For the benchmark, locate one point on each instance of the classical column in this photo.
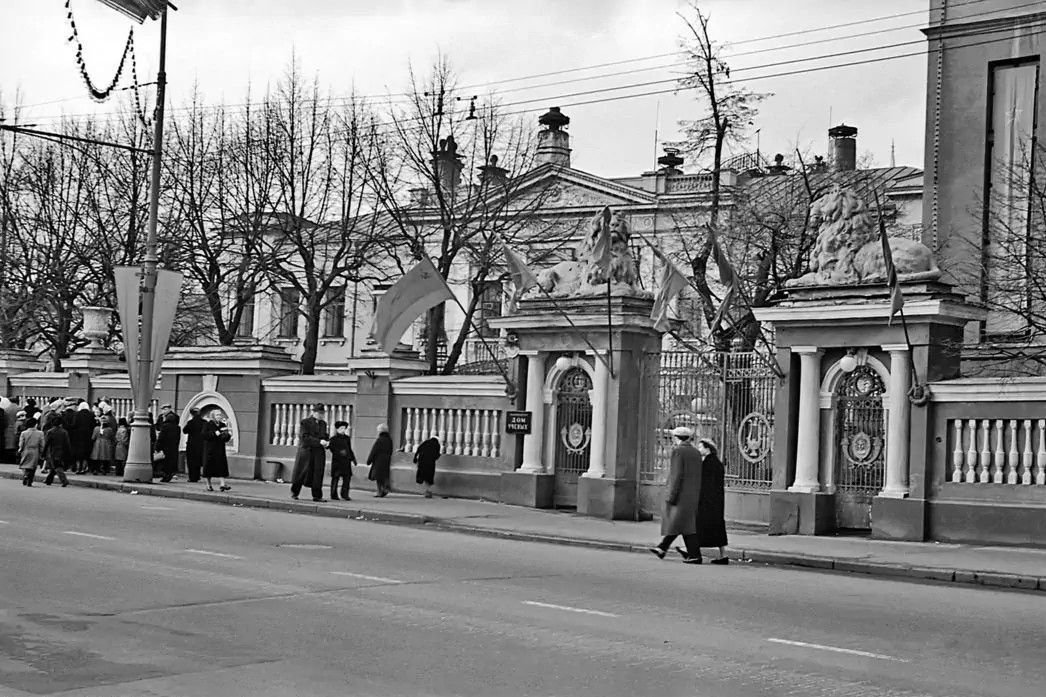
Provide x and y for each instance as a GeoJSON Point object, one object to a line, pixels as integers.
{"type": "Point", "coordinates": [597, 455]}
{"type": "Point", "coordinates": [897, 426]}
{"type": "Point", "coordinates": [532, 458]}
{"type": "Point", "coordinates": [808, 435]}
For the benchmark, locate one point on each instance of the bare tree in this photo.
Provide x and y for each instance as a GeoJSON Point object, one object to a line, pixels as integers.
{"type": "Point", "coordinates": [16, 298]}
{"type": "Point", "coordinates": [456, 178]}
{"type": "Point", "coordinates": [321, 233]}
{"type": "Point", "coordinates": [730, 110]}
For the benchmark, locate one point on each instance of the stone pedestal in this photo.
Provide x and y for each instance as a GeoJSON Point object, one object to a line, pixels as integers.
{"type": "Point", "coordinates": [555, 338]}
{"type": "Point", "coordinates": [531, 489]}
{"type": "Point", "coordinates": [824, 333]}
{"type": "Point", "coordinates": [14, 362]}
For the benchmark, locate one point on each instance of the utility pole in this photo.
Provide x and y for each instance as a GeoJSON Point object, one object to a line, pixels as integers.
{"type": "Point", "coordinates": [139, 467]}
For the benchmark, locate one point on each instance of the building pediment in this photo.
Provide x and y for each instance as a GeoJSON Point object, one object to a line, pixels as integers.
{"type": "Point", "coordinates": [558, 187]}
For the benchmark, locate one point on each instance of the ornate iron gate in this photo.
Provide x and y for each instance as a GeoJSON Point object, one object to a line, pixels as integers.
{"type": "Point", "coordinates": [860, 431]}
{"type": "Point", "coordinates": [725, 396]}
{"type": "Point", "coordinates": [573, 434]}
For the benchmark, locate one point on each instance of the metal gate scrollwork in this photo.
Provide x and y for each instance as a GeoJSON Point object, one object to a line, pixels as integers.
{"type": "Point", "coordinates": [860, 429]}
{"type": "Point", "coordinates": [573, 433]}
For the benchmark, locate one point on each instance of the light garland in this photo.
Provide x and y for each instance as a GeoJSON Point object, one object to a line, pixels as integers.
{"type": "Point", "coordinates": [99, 95]}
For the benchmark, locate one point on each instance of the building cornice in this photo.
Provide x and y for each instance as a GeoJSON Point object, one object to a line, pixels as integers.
{"type": "Point", "coordinates": [989, 390]}
{"type": "Point", "coordinates": [982, 26]}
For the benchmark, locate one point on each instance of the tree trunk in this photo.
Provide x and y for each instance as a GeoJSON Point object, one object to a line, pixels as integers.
{"type": "Point", "coordinates": [311, 343]}
{"type": "Point", "coordinates": [454, 355]}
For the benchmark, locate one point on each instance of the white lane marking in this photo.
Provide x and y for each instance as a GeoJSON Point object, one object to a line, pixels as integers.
{"type": "Point", "coordinates": [87, 534]}
{"type": "Point", "coordinates": [837, 649]}
{"type": "Point", "coordinates": [213, 554]}
{"type": "Point", "coordinates": [158, 508]}
{"type": "Point", "coordinates": [379, 579]}
{"type": "Point", "coordinates": [570, 609]}
{"type": "Point", "coordinates": [4, 522]}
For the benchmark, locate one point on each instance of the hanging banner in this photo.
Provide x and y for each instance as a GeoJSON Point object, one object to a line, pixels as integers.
{"type": "Point", "coordinates": [127, 302]}
{"type": "Point", "coordinates": [168, 292]}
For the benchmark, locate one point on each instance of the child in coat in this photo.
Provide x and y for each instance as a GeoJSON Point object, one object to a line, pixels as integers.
{"type": "Point", "coordinates": [342, 460]}
{"type": "Point", "coordinates": [122, 440]}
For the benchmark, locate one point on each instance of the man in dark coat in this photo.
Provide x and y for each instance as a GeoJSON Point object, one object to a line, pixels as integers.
{"type": "Point", "coordinates": [312, 456]}
{"type": "Point", "coordinates": [681, 500]}
{"type": "Point", "coordinates": [59, 452]}
{"type": "Point", "coordinates": [194, 444]}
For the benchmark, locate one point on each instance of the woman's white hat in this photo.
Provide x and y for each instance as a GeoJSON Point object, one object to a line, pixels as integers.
{"type": "Point", "coordinates": [682, 432]}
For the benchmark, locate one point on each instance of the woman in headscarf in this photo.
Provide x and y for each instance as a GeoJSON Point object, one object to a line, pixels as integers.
{"type": "Point", "coordinates": [380, 461]}
{"type": "Point", "coordinates": [711, 523]}
{"type": "Point", "coordinates": [215, 462]}
{"type": "Point", "coordinates": [425, 457]}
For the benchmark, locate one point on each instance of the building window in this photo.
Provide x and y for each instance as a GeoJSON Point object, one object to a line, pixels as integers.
{"type": "Point", "coordinates": [289, 301]}
{"type": "Point", "coordinates": [1010, 161]}
{"type": "Point", "coordinates": [334, 314]}
{"type": "Point", "coordinates": [245, 329]}
{"type": "Point", "coordinates": [488, 307]}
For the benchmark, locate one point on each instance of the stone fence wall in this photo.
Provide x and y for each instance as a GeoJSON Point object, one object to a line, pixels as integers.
{"type": "Point", "coordinates": [986, 474]}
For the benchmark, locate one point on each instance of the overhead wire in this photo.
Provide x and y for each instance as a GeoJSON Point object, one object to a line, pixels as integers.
{"type": "Point", "coordinates": [388, 98]}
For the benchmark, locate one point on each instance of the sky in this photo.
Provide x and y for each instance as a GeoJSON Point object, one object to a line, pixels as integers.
{"type": "Point", "coordinates": [226, 46]}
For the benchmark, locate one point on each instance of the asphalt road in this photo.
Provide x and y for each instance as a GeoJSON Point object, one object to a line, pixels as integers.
{"type": "Point", "coordinates": [109, 595]}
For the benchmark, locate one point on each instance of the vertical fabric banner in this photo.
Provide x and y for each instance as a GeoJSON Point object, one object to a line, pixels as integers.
{"type": "Point", "coordinates": [127, 300]}
{"type": "Point", "coordinates": [168, 292]}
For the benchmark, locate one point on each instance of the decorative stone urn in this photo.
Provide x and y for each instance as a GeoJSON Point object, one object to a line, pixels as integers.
{"type": "Point", "coordinates": [96, 325]}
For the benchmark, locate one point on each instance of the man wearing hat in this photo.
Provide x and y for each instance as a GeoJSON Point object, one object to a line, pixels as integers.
{"type": "Point", "coordinates": [684, 492]}
{"type": "Point", "coordinates": [312, 459]}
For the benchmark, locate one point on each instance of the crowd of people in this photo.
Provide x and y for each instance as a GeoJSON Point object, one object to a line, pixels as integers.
{"type": "Point", "coordinates": [71, 435]}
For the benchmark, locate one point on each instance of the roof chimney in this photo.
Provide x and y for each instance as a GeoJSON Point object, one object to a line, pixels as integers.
{"type": "Point", "coordinates": [844, 147]}
{"type": "Point", "coordinates": [553, 141]}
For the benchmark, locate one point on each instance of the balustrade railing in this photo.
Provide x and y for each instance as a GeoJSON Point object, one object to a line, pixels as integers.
{"type": "Point", "coordinates": [287, 418]}
{"type": "Point", "coordinates": [123, 407]}
{"type": "Point", "coordinates": [998, 451]}
{"type": "Point", "coordinates": [468, 432]}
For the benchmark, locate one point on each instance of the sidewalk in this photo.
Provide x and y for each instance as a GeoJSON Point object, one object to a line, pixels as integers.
{"type": "Point", "coordinates": [1009, 567]}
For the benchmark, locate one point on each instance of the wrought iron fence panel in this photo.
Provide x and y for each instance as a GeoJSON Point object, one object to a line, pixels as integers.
{"type": "Point", "coordinates": [725, 396]}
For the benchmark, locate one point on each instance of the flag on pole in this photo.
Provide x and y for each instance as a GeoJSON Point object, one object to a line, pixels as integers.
{"type": "Point", "coordinates": [523, 279]}
{"type": "Point", "coordinates": [896, 297]}
{"type": "Point", "coordinates": [420, 289]}
{"type": "Point", "coordinates": [672, 283]}
{"type": "Point", "coordinates": [727, 276]}
{"type": "Point", "coordinates": [601, 251]}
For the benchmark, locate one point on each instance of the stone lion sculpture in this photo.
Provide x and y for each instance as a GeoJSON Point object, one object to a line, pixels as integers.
{"type": "Point", "coordinates": [583, 276]}
{"type": "Point", "coordinates": [848, 249]}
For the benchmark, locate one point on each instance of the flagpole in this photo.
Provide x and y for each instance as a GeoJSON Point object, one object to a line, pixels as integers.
{"type": "Point", "coordinates": [610, 333]}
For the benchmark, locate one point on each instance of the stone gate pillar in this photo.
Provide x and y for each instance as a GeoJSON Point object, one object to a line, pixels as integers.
{"type": "Point", "coordinates": [578, 329]}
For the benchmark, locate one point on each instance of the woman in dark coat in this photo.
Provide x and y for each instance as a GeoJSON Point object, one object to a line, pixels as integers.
{"type": "Point", "coordinates": [194, 444]}
{"type": "Point", "coordinates": [681, 499]}
{"type": "Point", "coordinates": [711, 523]}
{"type": "Point", "coordinates": [167, 442]}
{"type": "Point", "coordinates": [380, 461]}
{"type": "Point", "coordinates": [80, 435]}
{"type": "Point", "coordinates": [215, 463]}
{"type": "Point", "coordinates": [425, 457]}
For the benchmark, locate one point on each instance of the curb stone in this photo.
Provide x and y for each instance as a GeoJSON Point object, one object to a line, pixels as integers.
{"type": "Point", "coordinates": [882, 569]}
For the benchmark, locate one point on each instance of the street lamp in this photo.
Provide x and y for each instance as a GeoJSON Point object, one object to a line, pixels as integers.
{"type": "Point", "coordinates": [139, 467]}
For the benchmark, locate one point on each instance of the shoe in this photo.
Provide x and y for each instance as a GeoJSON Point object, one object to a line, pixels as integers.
{"type": "Point", "coordinates": [294, 496]}
{"type": "Point", "coordinates": [682, 552]}
{"type": "Point", "coordinates": [47, 483]}
{"type": "Point", "coordinates": [334, 497]}
{"type": "Point", "coordinates": [428, 494]}
{"type": "Point", "coordinates": [657, 552]}
{"type": "Point", "coordinates": [693, 560]}
{"type": "Point", "coordinates": [319, 500]}
{"type": "Point", "coordinates": [65, 484]}
{"type": "Point", "coordinates": [210, 488]}
{"type": "Point", "coordinates": [224, 488]}
{"type": "Point", "coordinates": [720, 560]}
{"type": "Point", "coordinates": [346, 498]}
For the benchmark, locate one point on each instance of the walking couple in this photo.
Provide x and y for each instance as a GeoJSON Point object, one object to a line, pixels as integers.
{"type": "Point", "coordinates": [694, 500]}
